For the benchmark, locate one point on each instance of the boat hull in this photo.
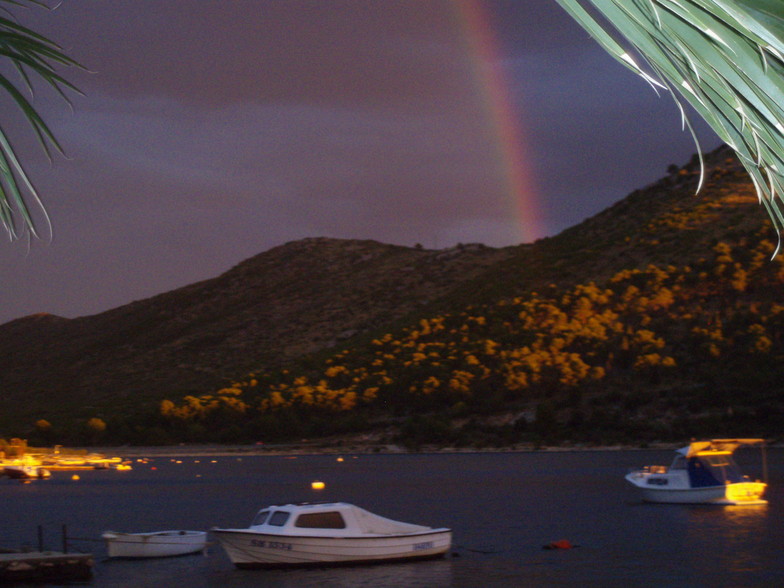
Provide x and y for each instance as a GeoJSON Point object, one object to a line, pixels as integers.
{"type": "Point", "coordinates": [157, 544]}
{"type": "Point", "coordinates": [250, 549]}
{"type": "Point", "coordinates": [743, 493]}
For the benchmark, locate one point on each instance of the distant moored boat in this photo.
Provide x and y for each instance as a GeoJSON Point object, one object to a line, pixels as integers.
{"type": "Point", "coordinates": [703, 472]}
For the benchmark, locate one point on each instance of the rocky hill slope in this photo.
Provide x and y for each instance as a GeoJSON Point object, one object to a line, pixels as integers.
{"type": "Point", "coordinates": [287, 302]}
{"type": "Point", "coordinates": [305, 297]}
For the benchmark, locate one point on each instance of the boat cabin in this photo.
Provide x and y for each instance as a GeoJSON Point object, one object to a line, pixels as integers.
{"type": "Point", "coordinates": [335, 519]}
{"type": "Point", "coordinates": [707, 468]}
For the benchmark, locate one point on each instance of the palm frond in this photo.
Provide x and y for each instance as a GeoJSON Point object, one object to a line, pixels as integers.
{"type": "Point", "coordinates": [724, 57]}
{"type": "Point", "coordinates": [32, 55]}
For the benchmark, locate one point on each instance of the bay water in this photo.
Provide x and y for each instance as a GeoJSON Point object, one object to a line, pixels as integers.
{"type": "Point", "coordinates": [503, 508]}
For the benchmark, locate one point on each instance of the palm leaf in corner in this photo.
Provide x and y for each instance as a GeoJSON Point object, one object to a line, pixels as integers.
{"type": "Point", "coordinates": [30, 53]}
{"type": "Point", "coordinates": [724, 57]}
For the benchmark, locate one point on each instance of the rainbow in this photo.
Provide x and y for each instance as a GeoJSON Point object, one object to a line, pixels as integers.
{"type": "Point", "coordinates": [505, 118]}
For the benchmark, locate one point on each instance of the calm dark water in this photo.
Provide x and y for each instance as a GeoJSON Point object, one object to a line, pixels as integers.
{"type": "Point", "coordinates": [503, 507]}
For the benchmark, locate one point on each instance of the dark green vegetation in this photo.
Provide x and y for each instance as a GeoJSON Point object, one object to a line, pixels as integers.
{"type": "Point", "coordinates": [658, 319]}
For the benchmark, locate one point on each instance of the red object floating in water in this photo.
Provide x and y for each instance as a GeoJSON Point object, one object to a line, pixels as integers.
{"type": "Point", "coordinates": [560, 544]}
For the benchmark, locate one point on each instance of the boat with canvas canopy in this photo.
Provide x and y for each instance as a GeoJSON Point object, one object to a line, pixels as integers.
{"type": "Point", "coordinates": [328, 533]}
{"type": "Point", "coordinates": [703, 472]}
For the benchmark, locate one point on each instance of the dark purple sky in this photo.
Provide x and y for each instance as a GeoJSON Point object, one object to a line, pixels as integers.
{"type": "Point", "coordinates": [213, 130]}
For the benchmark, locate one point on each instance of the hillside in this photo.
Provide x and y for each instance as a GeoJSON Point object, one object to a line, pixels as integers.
{"type": "Point", "coordinates": [292, 300]}
{"type": "Point", "coordinates": [289, 307]}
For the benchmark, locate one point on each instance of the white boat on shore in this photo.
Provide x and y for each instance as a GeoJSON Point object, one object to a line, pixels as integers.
{"type": "Point", "coordinates": [703, 472]}
{"type": "Point", "coordinates": [154, 544]}
{"type": "Point", "coordinates": [328, 533]}
{"type": "Point", "coordinates": [25, 472]}
{"type": "Point", "coordinates": [92, 461]}
{"type": "Point", "coordinates": [24, 467]}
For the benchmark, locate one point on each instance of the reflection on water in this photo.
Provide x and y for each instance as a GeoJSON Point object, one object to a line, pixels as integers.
{"type": "Point", "coordinates": [212, 571]}
{"type": "Point", "coordinates": [728, 520]}
{"type": "Point", "coordinates": [745, 518]}
{"type": "Point", "coordinates": [732, 537]}
{"type": "Point", "coordinates": [426, 574]}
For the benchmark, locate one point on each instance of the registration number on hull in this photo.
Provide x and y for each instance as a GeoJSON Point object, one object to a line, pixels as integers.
{"type": "Point", "coordinates": [271, 544]}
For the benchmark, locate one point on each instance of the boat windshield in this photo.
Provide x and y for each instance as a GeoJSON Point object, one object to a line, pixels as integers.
{"type": "Point", "coordinates": [723, 463]}
{"type": "Point", "coordinates": [713, 469]}
{"type": "Point", "coordinates": [260, 518]}
{"type": "Point", "coordinates": [279, 518]}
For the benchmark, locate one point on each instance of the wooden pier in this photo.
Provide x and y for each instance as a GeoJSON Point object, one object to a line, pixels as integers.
{"type": "Point", "coordinates": [45, 566]}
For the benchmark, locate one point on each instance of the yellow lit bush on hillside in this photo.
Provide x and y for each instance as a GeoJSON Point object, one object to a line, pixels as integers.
{"type": "Point", "coordinates": [642, 322]}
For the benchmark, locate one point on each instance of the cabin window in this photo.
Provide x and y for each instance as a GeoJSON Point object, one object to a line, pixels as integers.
{"type": "Point", "coordinates": [260, 518]}
{"type": "Point", "coordinates": [679, 463]}
{"type": "Point", "coordinates": [321, 520]}
{"type": "Point", "coordinates": [279, 518]}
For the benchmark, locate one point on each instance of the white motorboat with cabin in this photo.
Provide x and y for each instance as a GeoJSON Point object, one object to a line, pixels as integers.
{"type": "Point", "coordinates": [155, 543]}
{"type": "Point", "coordinates": [703, 472]}
{"type": "Point", "coordinates": [328, 533]}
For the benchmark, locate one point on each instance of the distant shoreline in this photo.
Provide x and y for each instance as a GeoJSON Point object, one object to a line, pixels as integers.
{"type": "Point", "coordinates": [315, 449]}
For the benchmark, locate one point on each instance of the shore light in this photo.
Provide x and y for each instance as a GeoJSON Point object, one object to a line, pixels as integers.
{"type": "Point", "coordinates": [317, 485]}
{"type": "Point", "coordinates": [75, 477]}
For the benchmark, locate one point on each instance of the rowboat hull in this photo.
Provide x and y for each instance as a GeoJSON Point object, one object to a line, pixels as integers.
{"type": "Point", "coordinates": [155, 544]}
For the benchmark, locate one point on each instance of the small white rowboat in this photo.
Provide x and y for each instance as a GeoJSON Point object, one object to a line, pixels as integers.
{"type": "Point", "coordinates": [154, 544]}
